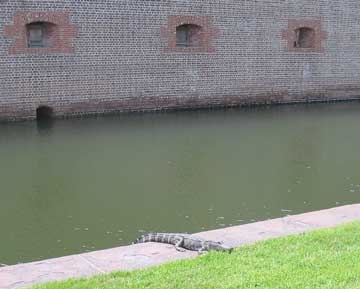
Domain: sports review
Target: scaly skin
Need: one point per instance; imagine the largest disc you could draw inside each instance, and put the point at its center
(184, 241)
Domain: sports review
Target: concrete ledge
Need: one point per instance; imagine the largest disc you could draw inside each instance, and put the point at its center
(150, 254)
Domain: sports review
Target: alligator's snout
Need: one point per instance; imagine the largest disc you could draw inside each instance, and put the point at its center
(227, 248)
(219, 246)
(230, 249)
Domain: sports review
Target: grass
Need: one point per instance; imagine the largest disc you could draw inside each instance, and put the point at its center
(327, 258)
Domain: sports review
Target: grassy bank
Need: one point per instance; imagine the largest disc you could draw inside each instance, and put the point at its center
(321, 259)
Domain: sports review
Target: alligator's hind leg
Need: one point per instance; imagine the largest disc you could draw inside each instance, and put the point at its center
(179, 243)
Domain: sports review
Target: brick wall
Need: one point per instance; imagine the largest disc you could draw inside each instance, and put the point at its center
(112, 55)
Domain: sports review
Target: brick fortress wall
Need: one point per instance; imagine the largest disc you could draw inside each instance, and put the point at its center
(118, 55)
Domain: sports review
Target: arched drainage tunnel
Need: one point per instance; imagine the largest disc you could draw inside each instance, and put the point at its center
(44, 113)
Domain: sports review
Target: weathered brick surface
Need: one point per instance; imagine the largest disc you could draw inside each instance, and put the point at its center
(123, 58)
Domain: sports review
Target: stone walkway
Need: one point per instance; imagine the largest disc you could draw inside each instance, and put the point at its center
(150, 254)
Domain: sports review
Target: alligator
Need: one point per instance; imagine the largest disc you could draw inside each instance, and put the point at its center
(183, 242)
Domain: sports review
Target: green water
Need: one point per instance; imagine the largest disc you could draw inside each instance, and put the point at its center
(89, 184)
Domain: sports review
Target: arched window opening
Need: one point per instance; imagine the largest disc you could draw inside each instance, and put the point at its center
(44, 113)
(188, 35)
(304, 38)
(39, 34)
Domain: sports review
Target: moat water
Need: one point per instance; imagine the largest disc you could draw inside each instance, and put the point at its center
(87, 184)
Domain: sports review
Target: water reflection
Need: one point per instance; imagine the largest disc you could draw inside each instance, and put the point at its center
(45, 126)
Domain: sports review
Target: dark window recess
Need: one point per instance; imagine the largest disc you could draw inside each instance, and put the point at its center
(305, 38)
(188, 35)
(39, 34)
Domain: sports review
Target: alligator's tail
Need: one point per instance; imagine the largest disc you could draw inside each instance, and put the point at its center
(145, 238)
(155, 237)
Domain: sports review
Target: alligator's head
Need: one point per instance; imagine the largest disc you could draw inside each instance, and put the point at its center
(217, 246)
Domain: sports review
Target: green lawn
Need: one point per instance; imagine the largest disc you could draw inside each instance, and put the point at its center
(321, 259)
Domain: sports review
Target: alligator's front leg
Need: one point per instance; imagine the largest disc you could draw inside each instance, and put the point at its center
(179, 242)
(202, 250)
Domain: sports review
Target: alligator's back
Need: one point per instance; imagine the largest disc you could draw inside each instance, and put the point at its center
(184, 241)
(168, 238)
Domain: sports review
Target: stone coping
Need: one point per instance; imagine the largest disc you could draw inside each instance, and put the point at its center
(150, 254)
